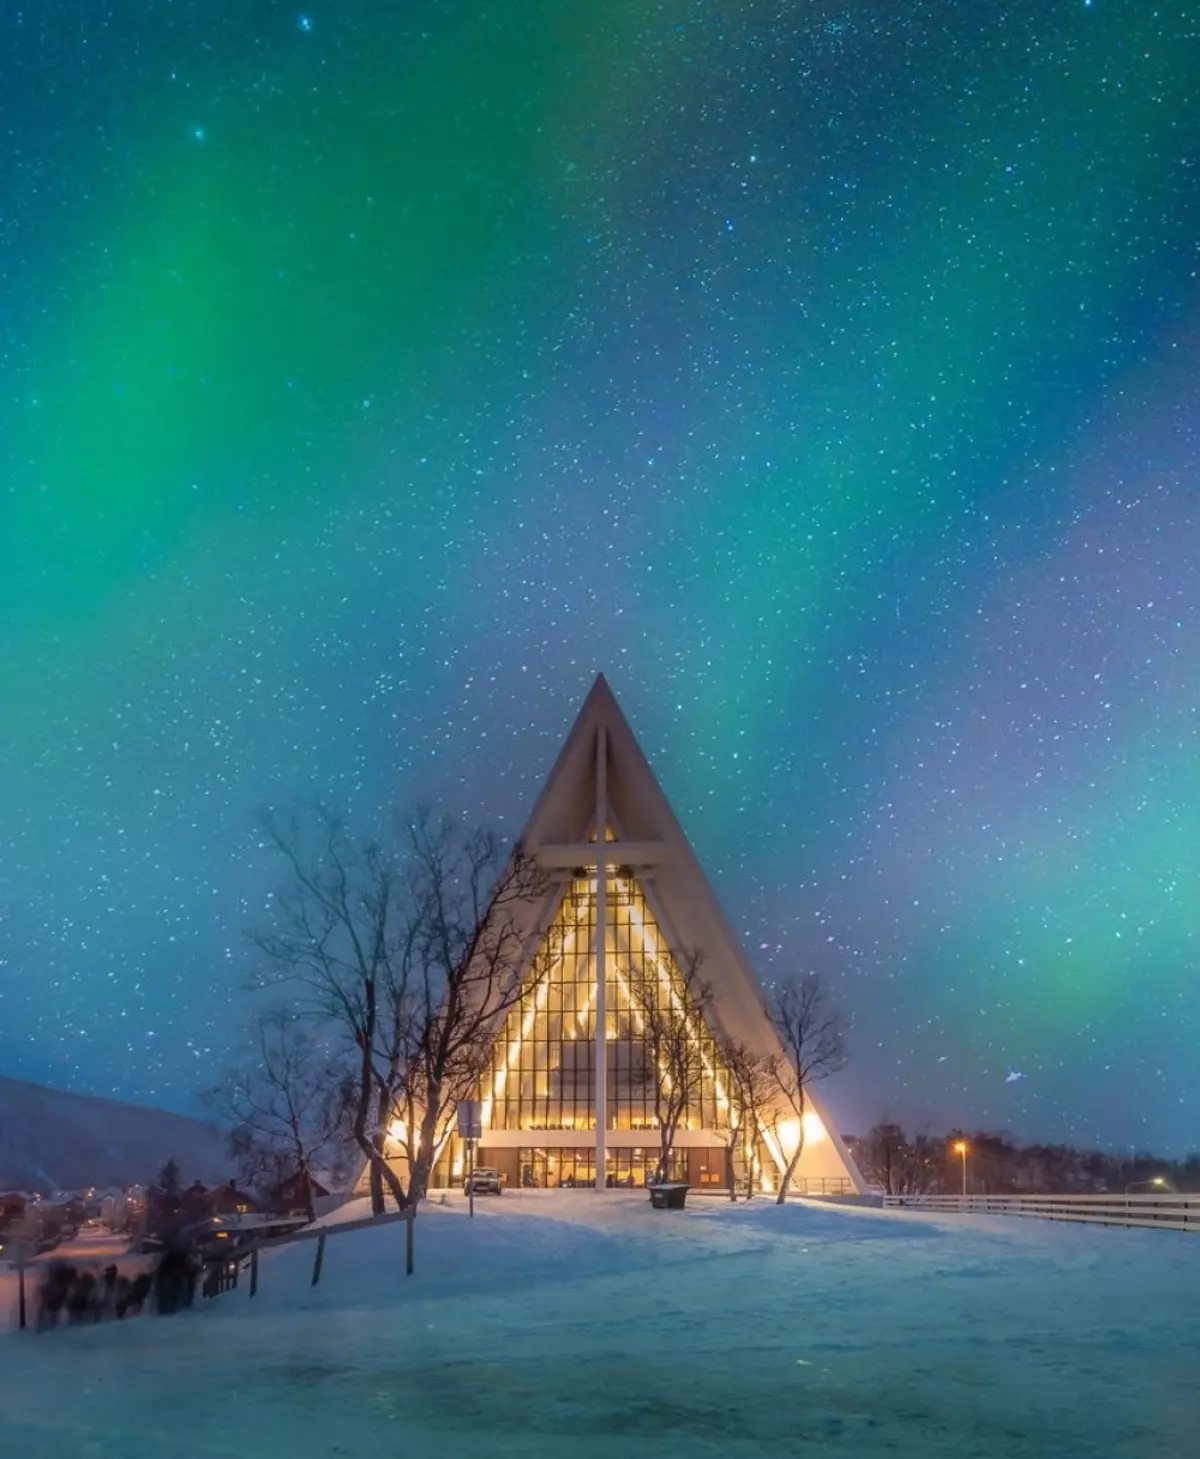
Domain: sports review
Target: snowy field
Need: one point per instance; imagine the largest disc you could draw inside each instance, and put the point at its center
(570, 1323)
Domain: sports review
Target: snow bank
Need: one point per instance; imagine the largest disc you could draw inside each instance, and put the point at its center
(574, 1322)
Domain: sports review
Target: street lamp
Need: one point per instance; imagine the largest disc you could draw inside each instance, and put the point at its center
(1155, 1180)
(960, 1148)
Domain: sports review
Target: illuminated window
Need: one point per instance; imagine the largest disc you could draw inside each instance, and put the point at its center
(542, 1070)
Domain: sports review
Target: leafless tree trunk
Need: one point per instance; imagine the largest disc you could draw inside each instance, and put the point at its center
(751, 1081)
(669, 1001)
(416, 955)
(925, 1159)
(286, 1109)
(883, 1155)
(899, 1166)
(474, 918)
(812, 1035)
(341, 941)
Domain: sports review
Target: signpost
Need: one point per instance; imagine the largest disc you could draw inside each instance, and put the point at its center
(470, 1129)
(21, 1253)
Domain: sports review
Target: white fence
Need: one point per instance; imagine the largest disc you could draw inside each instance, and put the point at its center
(1168, 1212)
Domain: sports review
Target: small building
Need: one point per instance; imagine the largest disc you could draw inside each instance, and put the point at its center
(13, 1205)
(295, 1193)
(229, 1200)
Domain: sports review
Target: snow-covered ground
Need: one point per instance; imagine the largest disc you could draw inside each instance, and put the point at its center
(570, 1323)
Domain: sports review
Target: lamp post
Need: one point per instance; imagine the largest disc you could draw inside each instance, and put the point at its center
(1155, 1180)
(960, 1148)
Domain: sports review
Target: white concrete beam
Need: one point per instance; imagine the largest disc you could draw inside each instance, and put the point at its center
(616, 853)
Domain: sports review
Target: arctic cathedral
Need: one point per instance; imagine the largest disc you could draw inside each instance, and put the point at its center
(564, 1099)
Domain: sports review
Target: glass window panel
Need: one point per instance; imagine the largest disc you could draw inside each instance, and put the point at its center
(541, 1073)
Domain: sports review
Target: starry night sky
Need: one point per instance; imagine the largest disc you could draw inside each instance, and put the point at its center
(373, 374)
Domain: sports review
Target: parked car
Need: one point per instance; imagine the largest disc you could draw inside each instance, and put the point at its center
(486, 1182)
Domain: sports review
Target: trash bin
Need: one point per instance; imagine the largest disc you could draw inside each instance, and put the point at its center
(669, 1196)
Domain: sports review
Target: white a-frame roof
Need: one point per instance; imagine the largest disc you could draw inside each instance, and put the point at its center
(602, 765)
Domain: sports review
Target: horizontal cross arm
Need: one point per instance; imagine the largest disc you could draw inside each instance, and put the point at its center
(616, 853)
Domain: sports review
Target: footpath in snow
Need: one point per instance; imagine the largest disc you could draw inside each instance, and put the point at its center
(587, 1324)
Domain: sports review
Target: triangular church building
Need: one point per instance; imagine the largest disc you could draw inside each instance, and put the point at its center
(626, 894)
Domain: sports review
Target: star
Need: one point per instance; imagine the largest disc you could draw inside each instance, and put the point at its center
(853, 437)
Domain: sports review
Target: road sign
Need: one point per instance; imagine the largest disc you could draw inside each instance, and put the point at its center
(469, 1119)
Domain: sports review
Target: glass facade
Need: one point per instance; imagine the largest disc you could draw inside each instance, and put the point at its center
(542, 1071)
(552, 1169)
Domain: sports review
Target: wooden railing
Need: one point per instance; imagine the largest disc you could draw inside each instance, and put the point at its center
(245, 1254)
(1162, 1212)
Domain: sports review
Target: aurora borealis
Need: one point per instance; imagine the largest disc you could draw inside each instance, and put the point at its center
(372, 375)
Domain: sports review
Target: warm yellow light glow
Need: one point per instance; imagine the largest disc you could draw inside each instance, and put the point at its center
(650, 951)
(624, 893)
(789, 1137)
(1158, 1180)
(784, 1140)
(514, 1046)
(398, 1130)
(960, 1147)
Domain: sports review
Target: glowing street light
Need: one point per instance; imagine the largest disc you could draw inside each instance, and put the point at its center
(961, 1148)
(1157, 1181)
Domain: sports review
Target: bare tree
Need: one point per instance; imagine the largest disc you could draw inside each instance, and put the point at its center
(288, 1108)
(415, 954)
(882, 1154)
(812, 1036)
(473, 909)
(341, 940)
(751, 1082)
(927, 1157)
(668, 1003)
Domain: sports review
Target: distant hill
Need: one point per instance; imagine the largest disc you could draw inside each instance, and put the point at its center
(51, 1140)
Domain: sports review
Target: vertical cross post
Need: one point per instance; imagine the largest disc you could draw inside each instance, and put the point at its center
(601, 1090)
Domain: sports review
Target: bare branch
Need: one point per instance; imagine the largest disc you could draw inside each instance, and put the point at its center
(669, 1001)
(472, 909)
(812, 1036)
(285, 1107)
(415, 955)
(339, 943)
(751, 1084)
